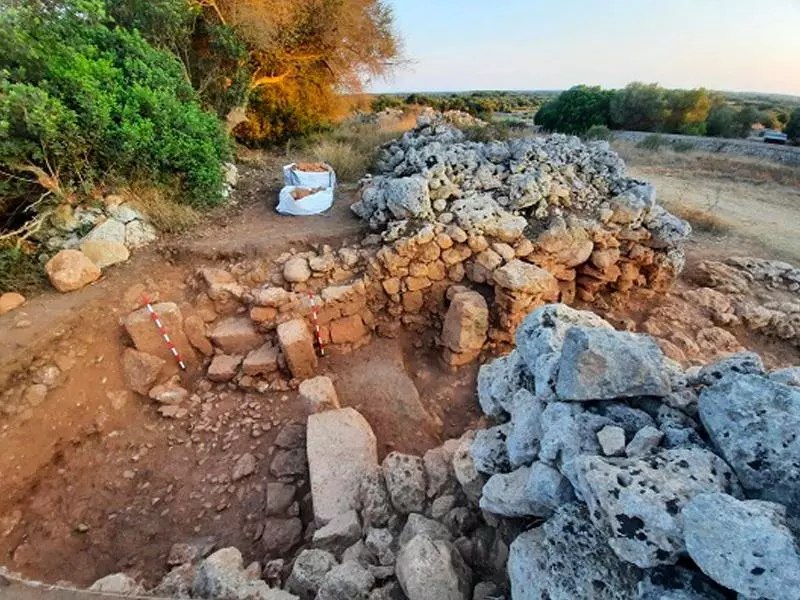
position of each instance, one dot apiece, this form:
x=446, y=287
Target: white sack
x=310, y=205
x=310, y=179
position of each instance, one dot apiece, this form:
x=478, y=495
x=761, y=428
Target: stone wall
x=787, y=155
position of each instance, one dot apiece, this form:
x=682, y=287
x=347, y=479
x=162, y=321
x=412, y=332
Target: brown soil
x=94, y=481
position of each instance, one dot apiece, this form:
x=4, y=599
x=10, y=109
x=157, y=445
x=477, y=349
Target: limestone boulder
x=147, y=337
x=429, y=569
x=141, y=370
x=318, y=394
x=236, y=335
x=522, y=277
x=10, y=301
x=297, y=346
x=466, y=323
x=105, y=253
x=405, y=481
x=341, y=447
x=70, y=270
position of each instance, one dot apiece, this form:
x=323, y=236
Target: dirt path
x=767, y=213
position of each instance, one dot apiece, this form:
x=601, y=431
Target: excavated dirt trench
x=95, y=481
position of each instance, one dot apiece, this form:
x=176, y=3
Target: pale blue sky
x=744, y=45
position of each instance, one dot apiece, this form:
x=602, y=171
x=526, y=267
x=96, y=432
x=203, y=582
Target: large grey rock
x=341, y=447
x=432, y=570
x=348, y=581
x=439, y=469
x=540, y=339
x=612, y=440
x=746, y=546
x=418, y=524
x=547, y=489
x=405, y=482
x=637, y=502
x=525, y=428
x=117, y=583
x=489, y=451
x=600, y=364
x=741, y=363
x=568, y=559
x=505, y=494
x=109, y=230
x=308, y=572
x=339, y=533
x=500, y=380
x=646, y=440
x=380, y=543
x=569, y=431
x=754, y=422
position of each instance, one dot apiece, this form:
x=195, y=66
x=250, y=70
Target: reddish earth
x=94, y=481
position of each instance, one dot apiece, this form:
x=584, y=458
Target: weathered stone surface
x=139, y=233
x=612, y=440
x=489, y=451
x=10, y=301
x=464, y=468
x=405, y=481
x=432, y=570
x=341, y=447
x=540, y=339
x=500, y=380
x=245, y=465
x=505, y=494
x=147, y=338
x=308, y=572
x=745, y=546
x=348, y=581
x=297, y=346
x=380, y=543
x=105, y=253
x=223, y=367
x=318, y=394
x=676, y=583
x=547, y=489
x=567, y=559
x=646, y=440
x=466, y=323
x=279, y=497
x=141, y=370
x=742, y=363
x=754, y=423
x=169, y=392
x=191, y=551
x=222, y=575
x=439, y=469
x=525, y=428
x=281, y=535
x=638, y=502
x=70, y=270
x=261, y=361
x=419, y=525
x=195, y=329
x=109, y=230
x=526, y=278
x=118, y=584
x=236, y=335
x=599, y=364
x=339, y=533
x=348, y=330
x=296, y=270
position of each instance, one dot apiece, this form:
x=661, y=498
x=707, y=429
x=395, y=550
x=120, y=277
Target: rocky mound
x=652, y=479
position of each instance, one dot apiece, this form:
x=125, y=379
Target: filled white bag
x=310, y=205
x=310, y=179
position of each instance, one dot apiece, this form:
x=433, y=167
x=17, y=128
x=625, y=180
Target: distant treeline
x=650, y=107
x=479, y=104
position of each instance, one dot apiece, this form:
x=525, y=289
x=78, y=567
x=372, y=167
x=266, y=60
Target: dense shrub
x=81, y=100
x=793, y=126
x=599, y=132
x=576, y=110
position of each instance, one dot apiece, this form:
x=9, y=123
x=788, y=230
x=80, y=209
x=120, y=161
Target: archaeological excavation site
x=493, y=369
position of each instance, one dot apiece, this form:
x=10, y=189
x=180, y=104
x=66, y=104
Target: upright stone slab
x=341, y=447
x=466, y=323
x=297, y=346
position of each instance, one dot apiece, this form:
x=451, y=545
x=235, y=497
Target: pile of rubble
x=652, y=479
x=561, y=215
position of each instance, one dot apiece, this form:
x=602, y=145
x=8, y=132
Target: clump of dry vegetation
x=162, y=207
x=702, y=219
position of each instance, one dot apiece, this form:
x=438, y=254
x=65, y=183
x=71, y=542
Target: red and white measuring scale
x=164, y=333
x=315, y=318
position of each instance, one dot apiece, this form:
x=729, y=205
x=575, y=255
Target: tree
x=792, y=129
x=744, y=120
x=639, y=107
x=576, y=110
x=721, y=122
x=686, y=111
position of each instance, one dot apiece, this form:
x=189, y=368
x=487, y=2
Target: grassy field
x=736, y=203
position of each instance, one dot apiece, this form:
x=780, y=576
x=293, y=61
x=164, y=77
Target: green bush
x=82, y=100
x=682, y=146
x=599, y=132
x=19, y=271
x=653, y=142
x=575, y=111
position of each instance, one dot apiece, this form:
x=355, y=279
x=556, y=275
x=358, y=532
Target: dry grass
x=748, y=169
x=351, y=147
x=702, y=219
x=161, y=208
